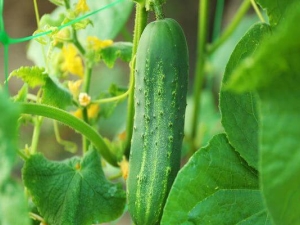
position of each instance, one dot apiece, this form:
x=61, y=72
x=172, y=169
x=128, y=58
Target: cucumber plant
x=161, y=163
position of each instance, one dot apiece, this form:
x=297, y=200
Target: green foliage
x=33, y=76
x=278, y=91
x=74, y=191
x=109, y=22
x=9, y=114
x=55, y=94
x=206, y=173
x=230, y=207
x=239, y=112
x=277, y=10
x=122, y=50
x=247, y=175
x=12, y=201
x=284, y=58
x=13, y=206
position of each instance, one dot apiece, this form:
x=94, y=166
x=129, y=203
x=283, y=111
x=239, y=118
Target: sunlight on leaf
x=33, y=76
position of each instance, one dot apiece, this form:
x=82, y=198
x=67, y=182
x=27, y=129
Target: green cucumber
x=161, y=79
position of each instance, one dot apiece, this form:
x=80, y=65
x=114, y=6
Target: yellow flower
x=74, y=87
x=72, y=61
x=93, y=111
x=78, y=113
x=97, y=44
x=124, y=165
x=82, y=7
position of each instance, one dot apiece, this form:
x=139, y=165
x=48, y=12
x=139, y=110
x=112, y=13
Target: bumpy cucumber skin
x=161, y=79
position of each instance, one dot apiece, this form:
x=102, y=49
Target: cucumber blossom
x=161, y=76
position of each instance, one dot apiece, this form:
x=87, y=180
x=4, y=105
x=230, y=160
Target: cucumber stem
x=73, y=122
x=159, y=14
x=141, y=19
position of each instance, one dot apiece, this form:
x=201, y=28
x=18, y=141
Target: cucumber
x=161, y=77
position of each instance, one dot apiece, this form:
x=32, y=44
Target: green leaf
x=273, y=59
x=276, y=10
x=239, y=111
x=33, y=76
x=210, y=169
x=13, y=206
x=55, y=94
x=280, y=148
x=9, y=114
x=109, y=22
x=122, y=50
x=74, y=191
x=230, y=207
x=277, y=79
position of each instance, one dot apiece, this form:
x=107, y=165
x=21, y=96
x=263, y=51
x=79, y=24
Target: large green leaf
x=9, y=114
x=274, y=72
x=74, y=191
x=272, y=60
x=276, y=9
x=239, y=111
x=109, y=22
x=215, y=167
x=229, y=207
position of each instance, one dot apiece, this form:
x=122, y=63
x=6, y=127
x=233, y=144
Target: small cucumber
x=161, y=79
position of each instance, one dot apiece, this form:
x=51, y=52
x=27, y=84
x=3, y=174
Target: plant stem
x=36, y=134
x=73, y=122
x=36, y=11
x=231, y=28
x=112, y=99
x=218, y=19
x=87, y=80
x=77, y=43
x=67, y=4
x=256, y=9
x=200, y=66
x=141, y=18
